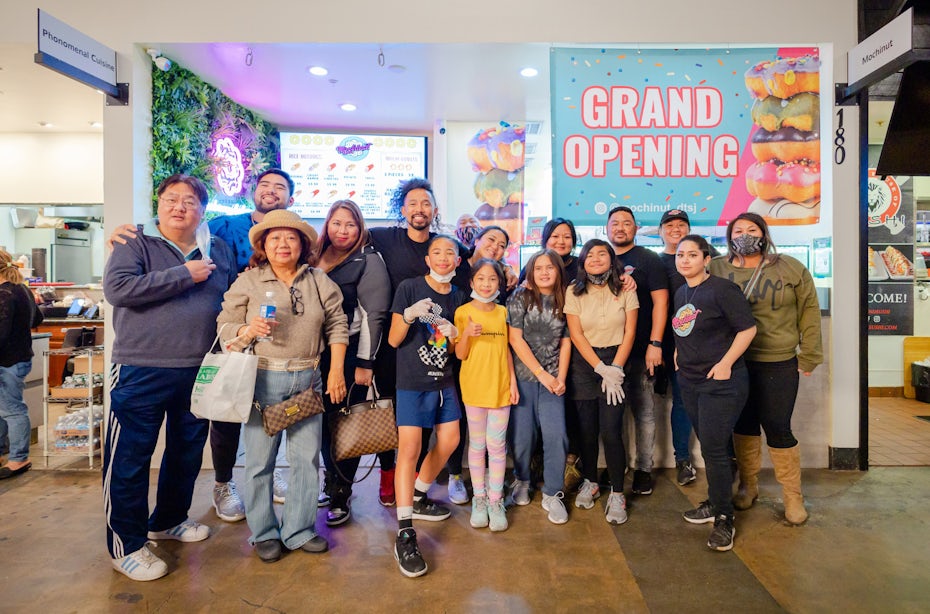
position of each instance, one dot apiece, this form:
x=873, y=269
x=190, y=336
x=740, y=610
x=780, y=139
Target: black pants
x=713, y=407
x=773, y=389
x=597, y=419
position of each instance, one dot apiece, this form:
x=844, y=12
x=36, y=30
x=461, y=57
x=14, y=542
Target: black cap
x=675, y=214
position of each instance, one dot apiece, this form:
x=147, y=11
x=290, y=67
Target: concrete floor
x=863, y=550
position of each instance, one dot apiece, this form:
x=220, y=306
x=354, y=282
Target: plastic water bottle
x=268, y=312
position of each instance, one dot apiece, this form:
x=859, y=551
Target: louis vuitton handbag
x=363, y=428
x=277, y=417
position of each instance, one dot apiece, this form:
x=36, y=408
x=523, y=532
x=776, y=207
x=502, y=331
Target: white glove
x=418, y=309
x=614, y=394
x=448, y=329
x=612, y=375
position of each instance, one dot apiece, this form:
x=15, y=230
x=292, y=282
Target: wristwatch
x=655, y=343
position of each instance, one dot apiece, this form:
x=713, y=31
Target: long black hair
x=580, y=285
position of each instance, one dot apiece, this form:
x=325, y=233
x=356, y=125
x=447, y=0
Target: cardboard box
x=80, y=364
x=73, y=393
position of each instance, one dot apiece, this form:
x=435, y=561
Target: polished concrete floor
x=863, y=550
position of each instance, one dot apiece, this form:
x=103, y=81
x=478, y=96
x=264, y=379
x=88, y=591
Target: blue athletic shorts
x=427, y=409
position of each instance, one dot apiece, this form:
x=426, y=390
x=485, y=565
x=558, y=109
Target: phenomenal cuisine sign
x=714, y=132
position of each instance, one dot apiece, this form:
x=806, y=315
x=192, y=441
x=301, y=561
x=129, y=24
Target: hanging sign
x=76, y=55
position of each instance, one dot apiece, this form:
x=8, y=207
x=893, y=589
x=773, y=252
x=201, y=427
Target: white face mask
x=443, y=279
x=485, y=299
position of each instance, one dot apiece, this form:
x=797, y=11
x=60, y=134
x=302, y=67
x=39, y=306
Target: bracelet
x=404, y=318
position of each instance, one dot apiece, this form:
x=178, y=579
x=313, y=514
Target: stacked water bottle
x=73, y=433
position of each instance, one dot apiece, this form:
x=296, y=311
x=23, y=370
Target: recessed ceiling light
x=347, y=106
x=47, y=124
x=95, y=124
x=318, y=71
x=529, y=72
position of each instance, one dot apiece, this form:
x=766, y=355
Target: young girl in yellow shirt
x=489, y=388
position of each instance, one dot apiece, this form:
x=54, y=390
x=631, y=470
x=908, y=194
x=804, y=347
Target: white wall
x=51, y=168
x=126, y=25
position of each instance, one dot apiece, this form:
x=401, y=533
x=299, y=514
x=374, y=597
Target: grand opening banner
x=714, y=132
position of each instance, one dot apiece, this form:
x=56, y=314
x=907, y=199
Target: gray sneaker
x=556, y=508
x=458, y=494
x=227, y=502
x=686, y=472
x=521, y=492
x=721, y=538
x=616, y=508
x=479, y=512
x=587, y=493
x=497, y=515
x=280, y=486
x=704, y=512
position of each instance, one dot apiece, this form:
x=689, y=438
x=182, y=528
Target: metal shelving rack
x=86, y=404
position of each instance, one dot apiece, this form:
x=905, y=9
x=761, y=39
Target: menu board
x=365, y=168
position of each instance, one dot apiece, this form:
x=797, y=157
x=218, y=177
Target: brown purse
x=277, y=417
x=368, y=427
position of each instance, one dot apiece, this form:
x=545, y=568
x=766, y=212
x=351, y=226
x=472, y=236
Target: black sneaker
x=642, y=482
x=722, y=536
x=701, y=514
x=407, y=554
x=427, y=509
x=339, y=510
x=686, y=472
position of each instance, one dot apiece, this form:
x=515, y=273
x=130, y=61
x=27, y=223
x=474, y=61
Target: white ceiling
x=452, y=82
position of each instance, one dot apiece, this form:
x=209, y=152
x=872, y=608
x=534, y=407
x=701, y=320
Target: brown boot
x=748, y=460
x=787, y=462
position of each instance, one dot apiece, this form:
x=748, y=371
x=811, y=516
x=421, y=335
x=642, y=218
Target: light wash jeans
x=640, y=398
x=303, y=453
x=14, y=413
x=541, y=410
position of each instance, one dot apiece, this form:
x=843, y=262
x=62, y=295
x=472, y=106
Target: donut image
x=801, y=111
x=784, y=77
x=786, y=213
x=500, y=147
x=786, y=145
x=795, y=181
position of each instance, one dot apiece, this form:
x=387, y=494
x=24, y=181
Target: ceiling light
x=529, y=72
x=347, y=106
x=318, y=71
x=47, y=124
x=397, y=68
x=95, y=124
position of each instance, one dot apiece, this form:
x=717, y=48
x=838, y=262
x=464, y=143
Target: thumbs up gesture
x=472, y=329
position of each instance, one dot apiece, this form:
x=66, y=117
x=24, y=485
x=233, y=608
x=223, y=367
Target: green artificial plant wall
x=188, y=114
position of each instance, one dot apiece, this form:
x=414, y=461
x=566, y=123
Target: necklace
x=689, y=296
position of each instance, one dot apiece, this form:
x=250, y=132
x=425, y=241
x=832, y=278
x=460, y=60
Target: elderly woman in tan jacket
x=309, y=317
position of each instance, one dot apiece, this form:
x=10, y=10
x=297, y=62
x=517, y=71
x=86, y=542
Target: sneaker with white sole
x=279, y=486
x=686, y=472
x=458, y=494
x=227, y=502
x=642, y=482
x=721, y=538
x=497, y=515
x=187, y=531
x=427, y=509
x=556, y=508
x=142, y=565
x=521, y=492
x=587, y=493
x=479, y=512
x=703, y=513
x=407, y=554
x=615, y=513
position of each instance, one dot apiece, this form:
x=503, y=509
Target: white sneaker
x=280, y=486
x=187, y=531
x=521, y=492
x=227, y=502
x=553, y=504
x=457, y=492
x=142, y=565
x=616, y=508
x=587, y=493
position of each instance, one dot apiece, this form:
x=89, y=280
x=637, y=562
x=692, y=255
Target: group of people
x=552, y=355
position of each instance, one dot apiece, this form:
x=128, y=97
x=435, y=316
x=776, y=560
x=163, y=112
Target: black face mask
x=747, y=245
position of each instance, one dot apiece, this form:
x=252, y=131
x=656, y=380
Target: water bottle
x=267, y=311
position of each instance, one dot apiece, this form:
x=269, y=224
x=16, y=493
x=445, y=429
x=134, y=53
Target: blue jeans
x=640, y=398
x=541, y=410
x=303, y=453
x=681, y=424
x=140, y=400
x=714, y=407
x=14, y=413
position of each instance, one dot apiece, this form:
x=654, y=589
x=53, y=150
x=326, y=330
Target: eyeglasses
x=173, y=201
x=297, y=302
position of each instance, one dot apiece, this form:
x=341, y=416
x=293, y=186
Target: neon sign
x=228, y=166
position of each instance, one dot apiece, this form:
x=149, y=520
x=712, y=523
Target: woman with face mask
x=788, y=342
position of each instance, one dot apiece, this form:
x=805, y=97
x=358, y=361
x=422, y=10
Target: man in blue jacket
x=166, y=288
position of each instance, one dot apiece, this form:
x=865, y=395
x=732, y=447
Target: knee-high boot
x=787, y=462
x=748, y=450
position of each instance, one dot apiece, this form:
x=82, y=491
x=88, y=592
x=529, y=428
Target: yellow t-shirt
x=485, y=376
x=602, y=314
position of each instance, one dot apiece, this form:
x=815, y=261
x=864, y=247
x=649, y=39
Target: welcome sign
x=714, y=132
